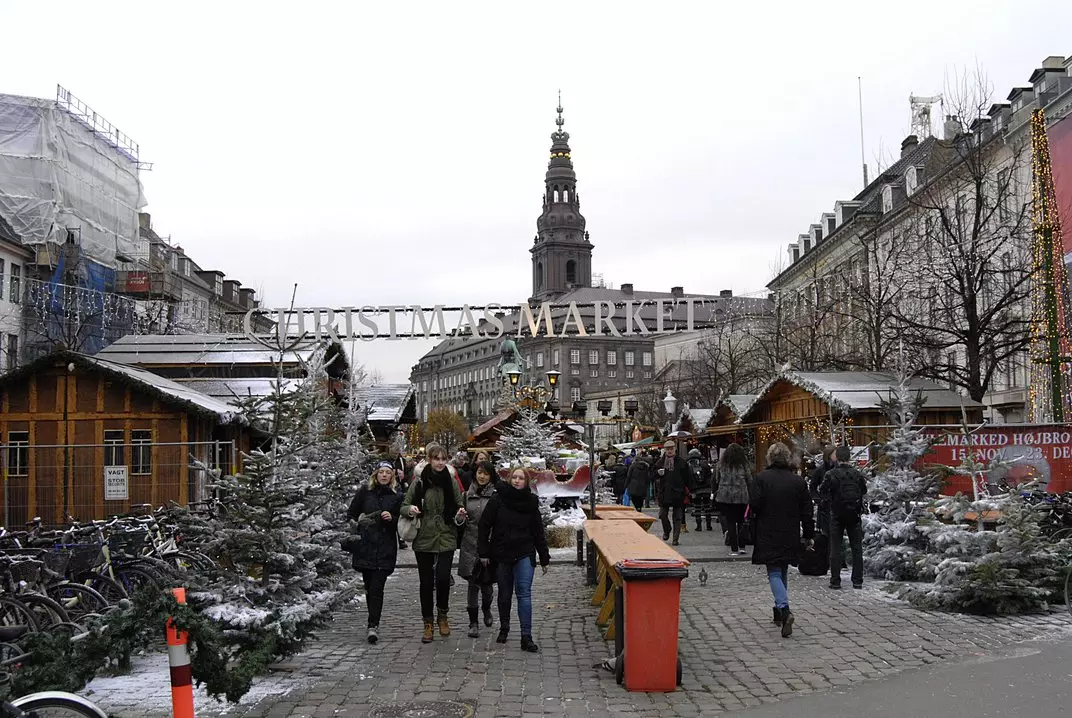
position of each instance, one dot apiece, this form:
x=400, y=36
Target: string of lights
x=1050, y=391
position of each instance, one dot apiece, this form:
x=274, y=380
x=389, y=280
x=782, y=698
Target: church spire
x=562, y=254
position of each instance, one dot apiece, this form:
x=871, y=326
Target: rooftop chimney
x=1053, y=62
x=726, y=293
x=952, y=127
x=627, y=289
x=908, y=144
x=677, y=291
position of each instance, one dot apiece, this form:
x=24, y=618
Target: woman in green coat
x=434, y=496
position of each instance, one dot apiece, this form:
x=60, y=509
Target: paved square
x=732, y=655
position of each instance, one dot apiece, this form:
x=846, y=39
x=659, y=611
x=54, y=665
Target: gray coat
x=733, y=485
x=476, y=499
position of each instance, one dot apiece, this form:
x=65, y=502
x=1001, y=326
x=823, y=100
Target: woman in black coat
x=781, y=508
x=375, y=508
x=511, y=534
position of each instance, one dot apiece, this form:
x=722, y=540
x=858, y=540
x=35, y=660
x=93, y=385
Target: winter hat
x=384, y=465
x=694, y=453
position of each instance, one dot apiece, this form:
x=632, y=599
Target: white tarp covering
x=57, y=174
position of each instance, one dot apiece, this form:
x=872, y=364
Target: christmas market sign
x=395, y=322
x=1015, y=454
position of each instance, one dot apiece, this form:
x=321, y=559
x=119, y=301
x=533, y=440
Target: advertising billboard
x=1014, y=454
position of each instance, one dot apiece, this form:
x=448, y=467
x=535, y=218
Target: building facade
x=880, y=279
x=460, y=372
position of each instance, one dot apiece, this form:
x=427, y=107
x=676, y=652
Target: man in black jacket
x=637, y=480
x=674, y=479
x=843, y=490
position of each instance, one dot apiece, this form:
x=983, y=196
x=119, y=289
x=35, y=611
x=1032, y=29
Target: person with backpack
x=638, y=480
x=843, y=489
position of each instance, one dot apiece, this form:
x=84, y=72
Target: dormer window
x=911, y=180
x=999, y=121
x=887, y=199
x=219, y=285
x=1041, y=87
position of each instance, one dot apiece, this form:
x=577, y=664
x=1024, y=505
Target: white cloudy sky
x=382, y=153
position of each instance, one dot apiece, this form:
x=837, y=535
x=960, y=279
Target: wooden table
x=616, y=541
x=604, y=507
x=642, y=520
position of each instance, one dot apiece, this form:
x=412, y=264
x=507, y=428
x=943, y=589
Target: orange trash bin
x=651, y=598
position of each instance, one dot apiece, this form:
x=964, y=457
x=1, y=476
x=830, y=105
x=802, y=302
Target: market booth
x=806, y=409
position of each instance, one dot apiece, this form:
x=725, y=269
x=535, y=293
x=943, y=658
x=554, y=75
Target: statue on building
x=509, y=359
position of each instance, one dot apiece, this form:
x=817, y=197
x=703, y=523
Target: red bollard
x=182, y=684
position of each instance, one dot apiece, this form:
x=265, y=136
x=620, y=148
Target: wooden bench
x=616, y=541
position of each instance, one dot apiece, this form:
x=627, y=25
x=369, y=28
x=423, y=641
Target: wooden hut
x=93, y=437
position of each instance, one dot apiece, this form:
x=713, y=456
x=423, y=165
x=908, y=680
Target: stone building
x=869, y=274
x=460, y=372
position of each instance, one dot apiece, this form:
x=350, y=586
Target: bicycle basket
x=83, y=557
x=28, y=570
x=57, y=561
x=127, y=543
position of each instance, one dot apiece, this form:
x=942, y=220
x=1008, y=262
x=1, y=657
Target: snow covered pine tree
x=527, y=438
x=893, y=541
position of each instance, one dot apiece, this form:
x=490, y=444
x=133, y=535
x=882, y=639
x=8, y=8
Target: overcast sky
x=383, y=153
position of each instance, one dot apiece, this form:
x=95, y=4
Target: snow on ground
x=570, y=518
x=146, y=692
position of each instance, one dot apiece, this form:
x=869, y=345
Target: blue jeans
x=516, y=576
x=778, y=575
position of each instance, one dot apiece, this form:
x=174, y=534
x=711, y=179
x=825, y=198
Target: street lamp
x=604, y=406
x=631, y=406
x=670, y=402
x=552, y=379
x=515, y=376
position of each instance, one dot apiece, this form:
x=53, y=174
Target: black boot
x=777, y=616
x=699, y=526
x=504, y=633
x=487, y=614
x=474, y=624
x=787, y=623
x=528, y=645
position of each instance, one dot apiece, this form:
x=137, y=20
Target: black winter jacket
x=672, y=484
x=619, y=474
x=378, y=547
x=781, y=509
x=511, y=527
x=638, y=477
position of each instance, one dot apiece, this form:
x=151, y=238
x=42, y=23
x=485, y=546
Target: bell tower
x=561, y=251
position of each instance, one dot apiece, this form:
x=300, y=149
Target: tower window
x=539, y=275
x=556, y=194
x=571, y=272
x=565, y=195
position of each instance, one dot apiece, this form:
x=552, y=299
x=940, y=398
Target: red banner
x=1013, y=454
x=1060, y=139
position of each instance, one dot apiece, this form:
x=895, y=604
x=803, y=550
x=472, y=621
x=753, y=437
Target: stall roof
x=231, y=390
x=852, y=391
x=160, y=350
x=386, y=402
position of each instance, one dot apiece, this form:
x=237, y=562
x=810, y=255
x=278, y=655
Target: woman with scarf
x=511, y=535
x=375, y=509
x=476, y=499
x=435, y=497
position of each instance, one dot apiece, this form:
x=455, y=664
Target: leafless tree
x=965, y=318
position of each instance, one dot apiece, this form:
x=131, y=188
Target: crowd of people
x=776, y=511
x=461, y=503
x=453, y=504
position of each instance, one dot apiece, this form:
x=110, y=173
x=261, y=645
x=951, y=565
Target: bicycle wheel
x=47, y=611
x=15, y=613
x=134, y=578
x=189, y=559
x=112, y=591
x=57, y=704
x=79, y=601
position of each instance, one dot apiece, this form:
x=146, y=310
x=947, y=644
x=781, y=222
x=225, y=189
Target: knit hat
x=694, y=454
x=384, y=465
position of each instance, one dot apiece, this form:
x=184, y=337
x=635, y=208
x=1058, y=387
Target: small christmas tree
x=281, y=569
x=893, y=541
x=527, y=438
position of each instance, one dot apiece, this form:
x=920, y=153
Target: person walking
x=476, y=500
x=375, y=508
x=732, y=495
x=815, y=480
x=702, y=489
x=434, y=496
x=843, y=490
x=464, y=469
x=618, y=474
x=512, y=535
x=674, y=479
x=781, y=508
x=638, y=479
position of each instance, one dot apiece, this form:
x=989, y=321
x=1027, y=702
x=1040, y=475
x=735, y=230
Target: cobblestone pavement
x=732, y=656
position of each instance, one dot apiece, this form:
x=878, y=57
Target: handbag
x=408, y=526
x=482, y=574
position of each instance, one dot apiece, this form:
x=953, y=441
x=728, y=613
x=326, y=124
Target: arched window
x=556, y=193
x=571, y=272
x=539, y=275
x=565, y=195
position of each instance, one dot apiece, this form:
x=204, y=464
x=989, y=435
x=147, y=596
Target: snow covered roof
x=386, y=402
x=852, y=391
x=197, y=350
x=164, y=389
x=738, y=403
x=230, y=390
